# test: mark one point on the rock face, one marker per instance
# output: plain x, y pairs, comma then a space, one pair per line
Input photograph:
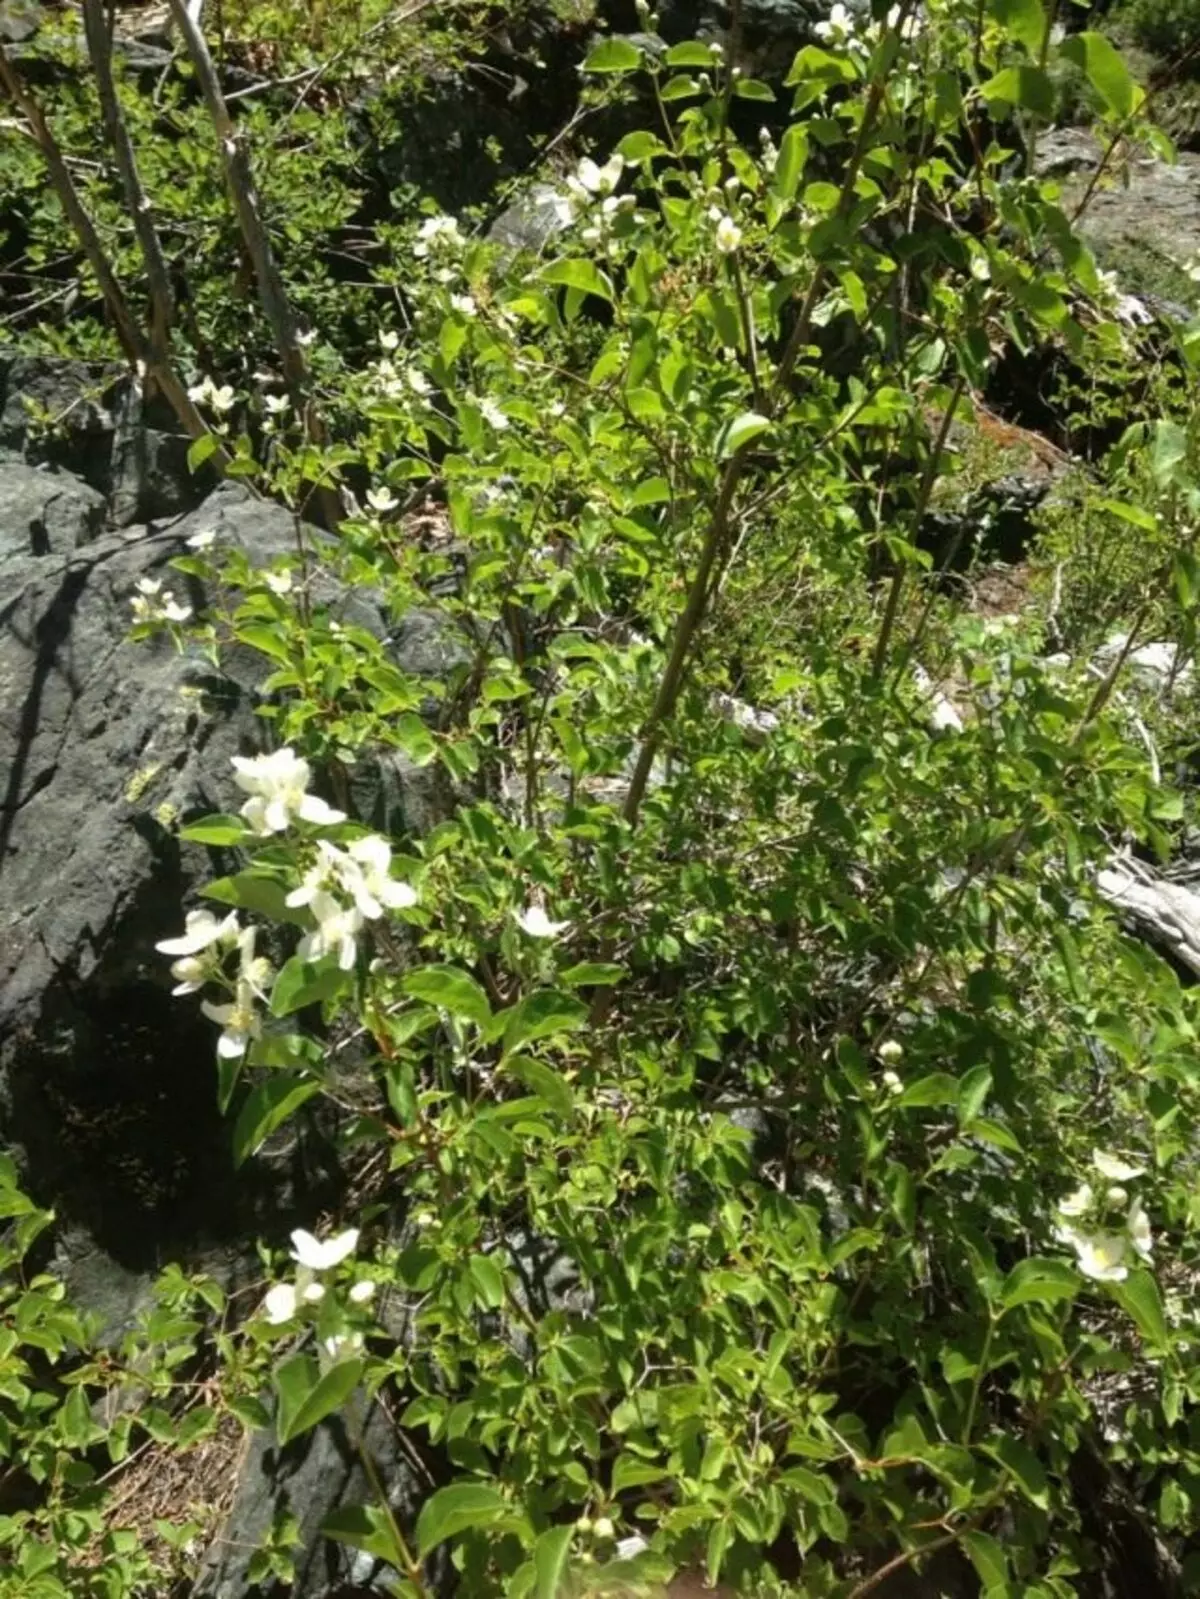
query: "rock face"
90, 419
107, 1083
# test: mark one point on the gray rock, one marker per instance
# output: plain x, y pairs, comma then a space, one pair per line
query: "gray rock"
44, 512
89, 419
534, 220
311, 1479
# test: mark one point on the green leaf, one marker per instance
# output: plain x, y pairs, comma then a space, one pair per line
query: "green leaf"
641, 146
199, 450
303, 983
988, 1558
691, 53
629, 1471
543, 1081
1023, 20
1168, 451
741, 431
306, 1397
221, 830
543, 1014
1026, 86
414, 738
579, 274
459, 1507
550, 1555
1134, 514
364, 1527
939, 1088
263, 896
754, 89
1022, 1465
270, 1104
789, 167
488, 1281
1040, 1280
1139, 1297
451, 989
613, 55
973, 1090
589, 974
1105, 71
720, 1535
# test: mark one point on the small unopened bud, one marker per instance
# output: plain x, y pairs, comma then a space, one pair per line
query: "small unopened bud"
604, 1528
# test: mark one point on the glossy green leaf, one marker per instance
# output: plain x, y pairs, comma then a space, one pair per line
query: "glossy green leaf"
451, 989
613, 55
1040, 1280
543, 1014
458, 1508
301, 983
307, 1396
1105, 70
1139, 1297
579, 274
270, 1103
551, 1555
739, 433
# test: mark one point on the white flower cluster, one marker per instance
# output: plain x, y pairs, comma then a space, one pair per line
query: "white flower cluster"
206, 392
201, 949
1105, 1247
842, 27
591, 195
315, 1259
344, 889
152, 603
438, 236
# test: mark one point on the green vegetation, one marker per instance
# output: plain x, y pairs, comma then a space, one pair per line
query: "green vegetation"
759, 969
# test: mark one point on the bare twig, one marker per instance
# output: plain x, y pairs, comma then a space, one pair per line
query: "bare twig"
141, 358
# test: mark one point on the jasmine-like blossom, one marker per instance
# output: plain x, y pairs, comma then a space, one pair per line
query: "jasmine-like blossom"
318, 1255
279, 583
1079, 1202
382, 500
1114, 1168
890, 1050
464, 304
206, 392
389, 340
493, 415
362, 1292
729, 235
339, 1344
892, 1082
239, 1020
1100, 1256
336, 932
277, 784
277, 404
203, 540
417, 381
153, 603
1140, 1235
590, 183
436, 233
198, 948
837, 27
534, 921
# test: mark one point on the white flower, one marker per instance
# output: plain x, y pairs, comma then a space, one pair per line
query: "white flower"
362, 1292
281, 1304
277, 404
603, 1528
434, 233
304, 339
839, 25
1100, 1256
239, 1020
279, 583
534, 921
417, 381
729, 235
323, 1256
191, 973
203, 540
311, 1293
1077, 1203
890, 1050
362, 871
389, 341
629, 1548
1114, 1168
277, 785
339, 1344
201, 930
337, 930
599, 180
382, 500
493, 415
892, 1083
1139, 1231
222, 399
153, 603
464, 304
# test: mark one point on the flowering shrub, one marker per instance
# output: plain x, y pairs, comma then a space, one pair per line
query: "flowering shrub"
758, 974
